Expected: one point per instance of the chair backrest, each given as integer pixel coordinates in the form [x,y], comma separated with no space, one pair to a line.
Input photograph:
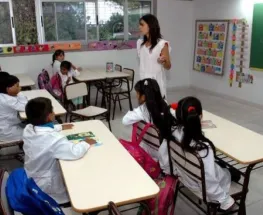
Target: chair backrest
[151,137]
[131,77]
[76,90]
[189,163]
[113,210]
[118,67]
[4,206]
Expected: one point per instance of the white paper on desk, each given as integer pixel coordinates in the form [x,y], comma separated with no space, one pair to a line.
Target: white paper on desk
[206,124]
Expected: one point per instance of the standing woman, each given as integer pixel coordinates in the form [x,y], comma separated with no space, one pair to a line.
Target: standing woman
[153,52]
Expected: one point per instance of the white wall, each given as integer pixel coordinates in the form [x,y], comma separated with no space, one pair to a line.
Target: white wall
[227,9]
[173,15]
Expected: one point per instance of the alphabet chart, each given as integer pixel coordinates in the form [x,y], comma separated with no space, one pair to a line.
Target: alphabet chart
[210,45]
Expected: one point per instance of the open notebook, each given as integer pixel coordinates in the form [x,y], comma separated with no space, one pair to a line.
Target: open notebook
[76,138]
[206,124]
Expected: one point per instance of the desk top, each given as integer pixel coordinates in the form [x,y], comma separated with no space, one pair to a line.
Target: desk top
[106,173]
[25,80]
[58,109]
[239,143]
[95,74]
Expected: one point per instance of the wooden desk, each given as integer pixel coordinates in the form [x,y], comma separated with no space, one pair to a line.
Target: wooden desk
[25,80]
[99,74]
[239,143]
[58,109]
[106,173]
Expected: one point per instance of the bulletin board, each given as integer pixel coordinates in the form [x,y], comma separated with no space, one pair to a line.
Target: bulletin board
[210,46]
[256,62]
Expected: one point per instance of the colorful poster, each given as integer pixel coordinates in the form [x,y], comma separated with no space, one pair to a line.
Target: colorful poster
[6,50]
[111,45]
[211,38]
[31,48]
[65,46]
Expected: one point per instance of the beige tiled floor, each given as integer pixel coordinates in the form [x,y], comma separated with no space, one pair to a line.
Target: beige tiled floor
[243,114]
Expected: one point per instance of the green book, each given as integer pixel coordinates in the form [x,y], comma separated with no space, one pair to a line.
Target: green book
[76,138]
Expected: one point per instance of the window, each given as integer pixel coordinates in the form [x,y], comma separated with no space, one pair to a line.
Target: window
[24,22]
[7,36]
[64,21]
[136,9]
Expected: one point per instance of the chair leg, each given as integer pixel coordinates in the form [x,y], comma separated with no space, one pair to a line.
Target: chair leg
[119,103]
[114,106]
[96,100]
[212,208]
[108,119]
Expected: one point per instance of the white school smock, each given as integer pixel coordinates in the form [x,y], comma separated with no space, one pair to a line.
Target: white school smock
[56,67]
[218,179]
[149,66]
[10,128]
[43,146]
[141,114]
[71,73]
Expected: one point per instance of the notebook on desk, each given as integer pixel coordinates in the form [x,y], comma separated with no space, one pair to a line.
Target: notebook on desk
[206,124]
[76,138]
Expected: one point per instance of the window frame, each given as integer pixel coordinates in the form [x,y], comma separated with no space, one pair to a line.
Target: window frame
[12,24]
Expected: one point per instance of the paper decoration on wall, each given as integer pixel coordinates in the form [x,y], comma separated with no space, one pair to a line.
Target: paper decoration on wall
[111,45]
[31,48]
[65,46]
[239,53]
[211,38]
[6,50]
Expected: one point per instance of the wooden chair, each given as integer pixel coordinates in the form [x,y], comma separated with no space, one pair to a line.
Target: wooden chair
[113,210]
[76,90]
[122,92]
[192,165]
[18,155]
[151,137]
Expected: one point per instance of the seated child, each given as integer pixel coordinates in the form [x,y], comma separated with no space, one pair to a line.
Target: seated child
[188,131]
[57,58]
[152,109]
[67,73]
[44,145]
[12,101]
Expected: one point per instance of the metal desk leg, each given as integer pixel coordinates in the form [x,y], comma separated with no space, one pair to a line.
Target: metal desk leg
[129,94]
[242,207]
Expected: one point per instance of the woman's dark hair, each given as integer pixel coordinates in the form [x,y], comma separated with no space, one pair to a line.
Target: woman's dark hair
[56,54]
[66,65]
[7,81]
[188,115]
[154,30]
[37,110]
[157,107]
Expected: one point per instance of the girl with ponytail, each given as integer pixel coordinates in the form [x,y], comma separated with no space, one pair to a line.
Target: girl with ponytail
[188,132]
[152,109]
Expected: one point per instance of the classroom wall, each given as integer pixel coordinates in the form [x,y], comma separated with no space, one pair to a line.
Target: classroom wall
[226,9]
[170,15]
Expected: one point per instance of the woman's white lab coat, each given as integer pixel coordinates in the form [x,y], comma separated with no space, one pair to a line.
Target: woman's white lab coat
[10,123]
[56,67]
[43,147]
[149,66]
[218,180]
[141,114]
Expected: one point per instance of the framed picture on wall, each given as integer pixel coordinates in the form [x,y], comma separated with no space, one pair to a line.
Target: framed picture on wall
[210,46]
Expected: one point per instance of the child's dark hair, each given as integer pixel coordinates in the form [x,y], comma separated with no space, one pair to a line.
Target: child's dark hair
[37,110]
[65,65]
[7,81]
[154,30]
[56,54]
[157,107]
[188,115]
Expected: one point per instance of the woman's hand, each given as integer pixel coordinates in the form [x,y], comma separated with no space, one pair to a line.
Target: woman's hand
[164,58]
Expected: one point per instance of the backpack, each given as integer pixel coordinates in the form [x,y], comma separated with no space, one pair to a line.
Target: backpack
[26,197]
[163,203]
[56,85]
[143,158]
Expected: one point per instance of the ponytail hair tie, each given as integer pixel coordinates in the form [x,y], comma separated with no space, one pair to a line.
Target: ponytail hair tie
[174,106]
[145,83]
[191,108]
